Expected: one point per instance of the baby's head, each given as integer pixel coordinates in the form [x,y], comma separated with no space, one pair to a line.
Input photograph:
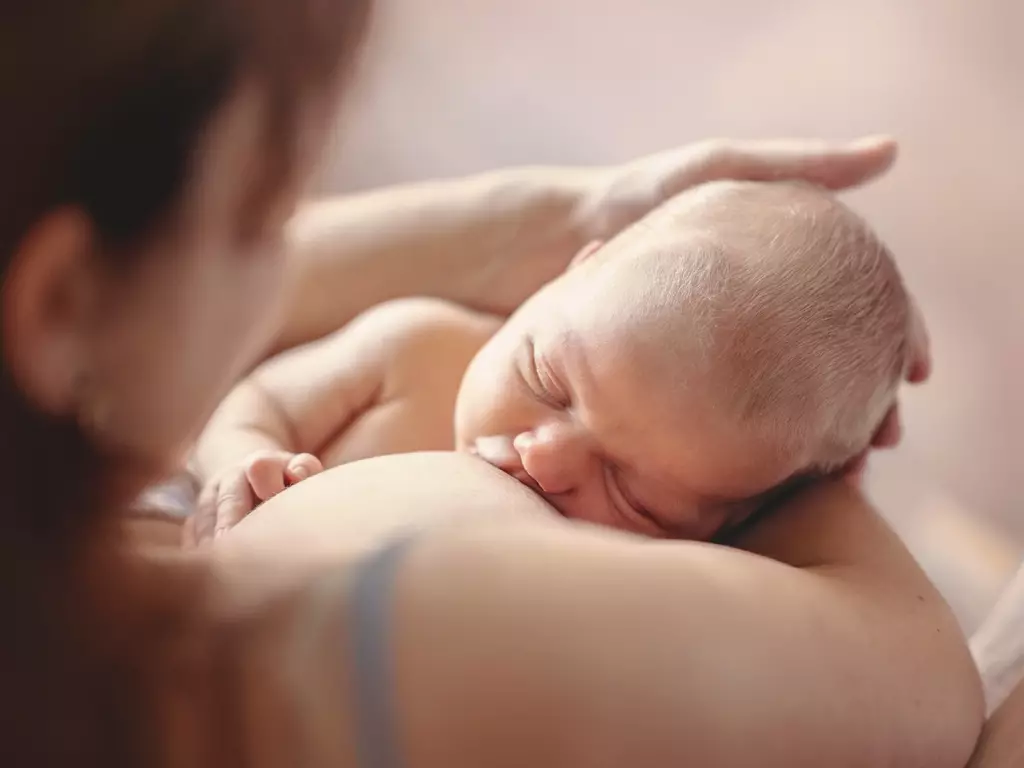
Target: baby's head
[741,336]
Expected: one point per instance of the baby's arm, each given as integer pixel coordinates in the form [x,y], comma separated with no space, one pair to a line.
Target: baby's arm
[299,408]
[277,419]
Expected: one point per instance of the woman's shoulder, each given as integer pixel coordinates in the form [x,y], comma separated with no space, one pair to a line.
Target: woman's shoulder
[250,671]
[280,593]
[549,643]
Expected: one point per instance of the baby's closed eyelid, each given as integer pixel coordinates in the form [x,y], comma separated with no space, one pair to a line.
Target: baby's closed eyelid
[546,387]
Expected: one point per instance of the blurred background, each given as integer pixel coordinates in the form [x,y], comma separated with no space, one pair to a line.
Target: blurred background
[455,86]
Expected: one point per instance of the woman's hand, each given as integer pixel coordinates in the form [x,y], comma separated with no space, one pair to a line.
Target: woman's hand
[619,195]
[489,241]
[608,199]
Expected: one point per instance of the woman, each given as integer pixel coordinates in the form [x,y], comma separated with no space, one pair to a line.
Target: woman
[153,152]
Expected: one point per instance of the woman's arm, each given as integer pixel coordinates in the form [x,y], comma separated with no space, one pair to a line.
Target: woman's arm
[459,240]
[489,241]
[582,648]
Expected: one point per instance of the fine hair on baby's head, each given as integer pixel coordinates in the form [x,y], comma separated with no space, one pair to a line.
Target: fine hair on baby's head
[794,313]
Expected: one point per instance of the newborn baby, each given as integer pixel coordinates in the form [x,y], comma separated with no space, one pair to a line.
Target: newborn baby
[736,340]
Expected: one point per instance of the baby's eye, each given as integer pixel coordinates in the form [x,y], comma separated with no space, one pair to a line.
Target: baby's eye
[539,381]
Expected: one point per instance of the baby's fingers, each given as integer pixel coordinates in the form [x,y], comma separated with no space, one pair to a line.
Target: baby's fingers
[266,473]
[201,524]
[301,467]
[234,500]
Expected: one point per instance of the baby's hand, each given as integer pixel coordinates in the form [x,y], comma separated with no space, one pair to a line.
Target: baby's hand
[270,472]
[235,492]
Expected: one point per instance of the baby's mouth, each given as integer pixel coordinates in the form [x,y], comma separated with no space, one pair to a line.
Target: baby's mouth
[499,451]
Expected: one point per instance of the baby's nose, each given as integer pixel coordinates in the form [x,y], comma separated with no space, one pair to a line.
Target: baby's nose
[554,457]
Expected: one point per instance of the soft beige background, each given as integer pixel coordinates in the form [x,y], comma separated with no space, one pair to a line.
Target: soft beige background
[454,86]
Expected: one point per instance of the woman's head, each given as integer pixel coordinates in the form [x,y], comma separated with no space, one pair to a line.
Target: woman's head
[152,152]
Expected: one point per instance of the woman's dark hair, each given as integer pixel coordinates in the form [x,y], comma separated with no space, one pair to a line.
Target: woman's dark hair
[104,106]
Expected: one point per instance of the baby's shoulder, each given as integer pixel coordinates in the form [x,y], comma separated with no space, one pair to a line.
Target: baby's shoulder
[417,319]
[414,332]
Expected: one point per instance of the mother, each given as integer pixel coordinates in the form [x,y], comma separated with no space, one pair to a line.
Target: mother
[153,151]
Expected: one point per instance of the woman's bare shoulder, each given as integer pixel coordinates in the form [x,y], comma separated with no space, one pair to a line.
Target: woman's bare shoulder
[649,650]
[553,642]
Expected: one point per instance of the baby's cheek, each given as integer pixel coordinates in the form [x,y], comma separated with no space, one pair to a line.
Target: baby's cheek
[474,410]
[575,507]
[719,524]
[601,510]
[492,408]
[478,415]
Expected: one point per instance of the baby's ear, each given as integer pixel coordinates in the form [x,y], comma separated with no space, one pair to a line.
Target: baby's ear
[586,252]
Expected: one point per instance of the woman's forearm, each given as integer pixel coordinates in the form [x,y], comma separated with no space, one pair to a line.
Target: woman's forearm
[452,239]
[491,240]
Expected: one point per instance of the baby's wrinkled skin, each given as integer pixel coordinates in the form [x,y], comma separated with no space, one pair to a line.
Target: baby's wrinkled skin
[742,336]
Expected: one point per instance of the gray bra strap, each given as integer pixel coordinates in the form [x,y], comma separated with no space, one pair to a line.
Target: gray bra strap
[371,606]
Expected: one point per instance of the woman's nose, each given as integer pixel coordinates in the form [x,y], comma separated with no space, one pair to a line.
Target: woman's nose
[556,457]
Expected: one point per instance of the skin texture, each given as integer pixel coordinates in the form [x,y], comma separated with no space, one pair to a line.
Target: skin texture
[489,580]
[612,392]
[236,656]
[495,238]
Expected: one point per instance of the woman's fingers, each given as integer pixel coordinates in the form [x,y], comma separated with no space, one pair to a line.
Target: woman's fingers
[835,166]
[622,194]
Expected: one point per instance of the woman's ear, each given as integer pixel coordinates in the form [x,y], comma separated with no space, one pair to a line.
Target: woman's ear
[586,252]
[50,298]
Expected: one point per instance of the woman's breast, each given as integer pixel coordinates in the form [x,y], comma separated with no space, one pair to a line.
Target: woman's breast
[358,506]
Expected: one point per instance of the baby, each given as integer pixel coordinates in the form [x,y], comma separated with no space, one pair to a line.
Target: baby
[740,338]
